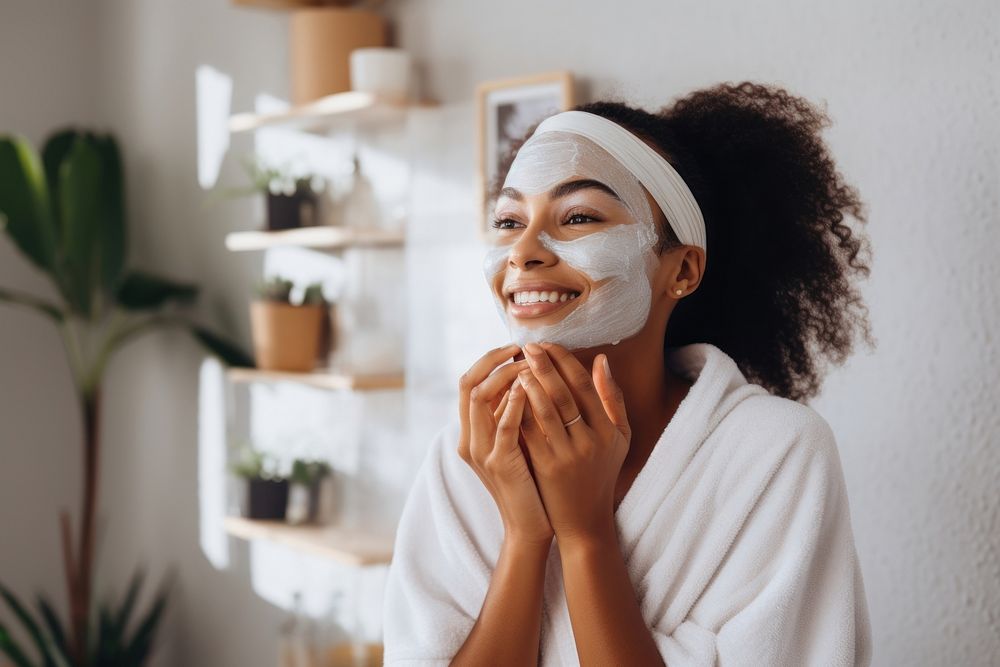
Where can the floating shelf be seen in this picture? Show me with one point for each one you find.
(327, 112)
(345, 546)
(321, 380)
(279, 4)
(289, 5)
(315, 237)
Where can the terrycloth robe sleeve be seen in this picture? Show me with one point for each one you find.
(437, 580)
(789, 591)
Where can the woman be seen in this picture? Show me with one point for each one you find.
(651, 420)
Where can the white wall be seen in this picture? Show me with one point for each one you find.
(148, 55)
(912, 90)
(40, 89)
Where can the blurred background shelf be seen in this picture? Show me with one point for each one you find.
(315, 237)
(319, 379)
(327, 113)
(345, 546)
(287, 5)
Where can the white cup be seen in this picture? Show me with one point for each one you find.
(382, 71)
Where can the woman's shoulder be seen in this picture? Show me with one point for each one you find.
(767, 424)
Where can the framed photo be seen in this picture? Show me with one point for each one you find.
(506, 109)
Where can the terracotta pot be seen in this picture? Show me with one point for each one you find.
(286, 337)
(320, 45)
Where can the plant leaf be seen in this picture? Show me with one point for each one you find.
(230, 353)
(112, 237)
(108, 646)
(44, 307)
(12, 650)
(54, 153)
(80, 211)
(128, 603)
(137, 649)
(55, 628)
(55, 150)
(24, 202)
(29, 624)
(144, 291)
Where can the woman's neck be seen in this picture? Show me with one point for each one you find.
(651, 392)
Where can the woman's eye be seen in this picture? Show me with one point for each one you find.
(574, 219)
(586, 219)
(503, 223)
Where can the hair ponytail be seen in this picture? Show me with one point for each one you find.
(777, 293)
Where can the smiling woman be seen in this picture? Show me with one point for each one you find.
(649, 414)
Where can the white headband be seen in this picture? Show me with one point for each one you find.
(660, 179)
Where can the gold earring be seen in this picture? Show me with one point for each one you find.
(678, 292)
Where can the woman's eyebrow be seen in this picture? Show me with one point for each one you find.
(564, 189)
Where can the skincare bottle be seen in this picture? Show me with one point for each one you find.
(360, 207)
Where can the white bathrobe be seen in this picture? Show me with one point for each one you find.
(736, 533)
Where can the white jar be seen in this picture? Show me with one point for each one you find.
(382, 71)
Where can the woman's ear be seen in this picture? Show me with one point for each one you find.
(680, 267)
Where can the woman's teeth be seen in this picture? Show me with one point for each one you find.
(523, 298)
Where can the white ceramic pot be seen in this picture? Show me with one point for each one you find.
(382, 71)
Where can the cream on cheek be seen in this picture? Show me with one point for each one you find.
(620, 260)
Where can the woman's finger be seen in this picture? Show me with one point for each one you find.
(500, 408)
(482, 399)
(548, 376)
(579, 381)
(612, 398)
(476, 374)
(509, 424)
(536, 446)
(544, 410)
(499, 381)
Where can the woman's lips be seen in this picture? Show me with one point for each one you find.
(538, 309)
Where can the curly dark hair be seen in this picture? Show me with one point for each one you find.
(777, 293)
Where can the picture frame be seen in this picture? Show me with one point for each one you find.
(506, 108)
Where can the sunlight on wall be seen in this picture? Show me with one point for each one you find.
(214, 91)
(212, 452)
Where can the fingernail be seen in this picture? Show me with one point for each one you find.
(607, 366)
(533, 349)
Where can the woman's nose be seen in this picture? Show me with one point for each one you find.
(528, 251)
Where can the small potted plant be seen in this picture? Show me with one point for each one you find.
(287, 336)
(266, 491)
(292, 196)
(309, 491)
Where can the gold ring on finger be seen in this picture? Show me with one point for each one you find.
(573, 420)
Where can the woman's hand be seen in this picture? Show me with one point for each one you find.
(577, 466)
(490, 421)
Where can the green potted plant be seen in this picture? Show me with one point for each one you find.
(287, 335)
(65, 211)
(305, 496)
(266, 491)
(292, 195)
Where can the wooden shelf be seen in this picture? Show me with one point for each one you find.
(345, 546)
(326, 112)
(321, 380)
(315, 237)
(289, 5)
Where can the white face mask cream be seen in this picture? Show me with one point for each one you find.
(619, 259)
